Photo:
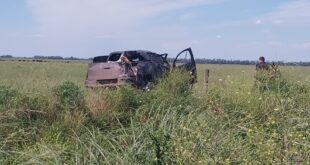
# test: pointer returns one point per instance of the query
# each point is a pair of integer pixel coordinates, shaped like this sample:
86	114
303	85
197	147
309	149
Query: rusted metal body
107	74
142	68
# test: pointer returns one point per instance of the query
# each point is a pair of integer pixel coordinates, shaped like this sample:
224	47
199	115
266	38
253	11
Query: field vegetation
47	116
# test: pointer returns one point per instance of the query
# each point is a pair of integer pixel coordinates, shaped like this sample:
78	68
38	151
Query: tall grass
231	123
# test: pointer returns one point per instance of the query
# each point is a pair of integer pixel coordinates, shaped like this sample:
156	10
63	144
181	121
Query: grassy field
47	116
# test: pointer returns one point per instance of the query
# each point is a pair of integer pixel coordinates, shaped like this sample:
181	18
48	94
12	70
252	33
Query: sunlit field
47	116
28	75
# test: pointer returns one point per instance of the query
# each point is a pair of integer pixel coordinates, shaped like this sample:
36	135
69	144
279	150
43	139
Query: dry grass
98	104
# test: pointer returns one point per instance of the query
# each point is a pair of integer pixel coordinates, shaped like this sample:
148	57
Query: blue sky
229	29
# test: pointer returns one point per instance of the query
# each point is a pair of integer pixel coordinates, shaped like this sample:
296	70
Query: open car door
185	60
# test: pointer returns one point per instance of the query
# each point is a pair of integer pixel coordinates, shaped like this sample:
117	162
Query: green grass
41	76
47	116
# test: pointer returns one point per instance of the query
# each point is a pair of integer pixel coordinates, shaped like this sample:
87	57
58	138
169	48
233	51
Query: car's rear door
185	60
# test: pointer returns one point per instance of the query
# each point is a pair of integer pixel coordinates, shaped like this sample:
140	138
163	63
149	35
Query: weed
8	96
69	96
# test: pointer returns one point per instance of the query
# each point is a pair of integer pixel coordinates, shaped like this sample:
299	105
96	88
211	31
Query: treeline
198	60
39	57
57	58
239	62
6	56
247	62
223	61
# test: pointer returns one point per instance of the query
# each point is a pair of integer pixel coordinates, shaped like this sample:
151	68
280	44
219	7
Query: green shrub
265	79
69	96
273	81
35	101
124	101
126	98
8	96
173	90
176	83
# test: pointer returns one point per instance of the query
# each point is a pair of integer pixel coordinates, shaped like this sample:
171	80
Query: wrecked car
138	67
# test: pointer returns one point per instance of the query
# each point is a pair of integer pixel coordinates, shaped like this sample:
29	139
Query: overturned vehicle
140	68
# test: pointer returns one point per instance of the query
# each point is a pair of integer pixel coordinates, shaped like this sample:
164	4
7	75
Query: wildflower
260	98
276	109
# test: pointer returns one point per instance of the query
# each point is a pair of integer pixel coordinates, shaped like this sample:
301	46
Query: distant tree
72	58
39	57
55	57
238	62
6	56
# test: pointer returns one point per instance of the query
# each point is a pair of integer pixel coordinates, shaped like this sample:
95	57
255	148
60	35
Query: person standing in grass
262	78
261	64
266	76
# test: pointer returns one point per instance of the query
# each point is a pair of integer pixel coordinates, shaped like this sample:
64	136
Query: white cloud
218	36
277	21
305	45
258	22
187	16
294	13
104	36
260	44
274	43
267	31
81	26
33	36
81	17
178	45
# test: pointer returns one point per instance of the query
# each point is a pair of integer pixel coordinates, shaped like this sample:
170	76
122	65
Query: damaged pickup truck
138	67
